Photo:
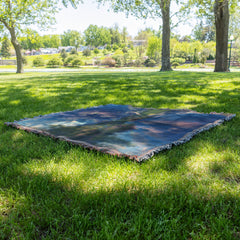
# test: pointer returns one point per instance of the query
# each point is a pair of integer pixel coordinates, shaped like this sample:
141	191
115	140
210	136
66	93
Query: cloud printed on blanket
124	130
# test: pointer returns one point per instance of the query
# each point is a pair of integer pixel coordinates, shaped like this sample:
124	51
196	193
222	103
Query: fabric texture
123	130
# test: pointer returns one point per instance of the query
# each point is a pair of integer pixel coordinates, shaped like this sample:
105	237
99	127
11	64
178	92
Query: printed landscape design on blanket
123	130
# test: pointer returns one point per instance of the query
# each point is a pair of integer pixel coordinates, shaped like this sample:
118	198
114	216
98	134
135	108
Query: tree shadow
51	209
162	198
70	91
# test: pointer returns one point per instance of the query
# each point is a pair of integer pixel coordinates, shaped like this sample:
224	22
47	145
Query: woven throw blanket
123	130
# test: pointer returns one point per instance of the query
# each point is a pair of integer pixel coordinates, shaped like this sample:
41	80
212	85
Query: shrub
109	48
109	61
76	62
195	59
131	46
126	59
68	60
115	46
122	45
138	62
130	63
73	61
74	51
96	50
175	64
63	54
97	62
54	62
105	52
178	60
118	52
180	54
203	59
153	49
211	57
236	55
86	52
38	62
24	60
150	62
125	50
119	60
195	56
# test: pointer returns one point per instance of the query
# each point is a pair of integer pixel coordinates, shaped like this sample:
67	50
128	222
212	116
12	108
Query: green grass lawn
53	190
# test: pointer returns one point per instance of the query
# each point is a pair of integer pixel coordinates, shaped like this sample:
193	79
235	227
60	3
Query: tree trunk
165	8
17	48
221	12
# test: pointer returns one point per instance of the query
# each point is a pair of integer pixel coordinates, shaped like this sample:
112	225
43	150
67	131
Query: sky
88	13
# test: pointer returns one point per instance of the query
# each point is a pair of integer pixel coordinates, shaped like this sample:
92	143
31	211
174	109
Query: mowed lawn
53	190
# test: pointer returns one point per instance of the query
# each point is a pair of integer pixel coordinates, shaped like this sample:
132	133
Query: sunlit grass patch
53	190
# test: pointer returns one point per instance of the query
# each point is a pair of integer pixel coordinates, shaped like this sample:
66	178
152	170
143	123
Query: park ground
53	190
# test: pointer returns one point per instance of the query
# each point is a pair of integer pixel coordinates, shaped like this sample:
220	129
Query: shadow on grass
66	91
43	206
32	95
106	197
38	95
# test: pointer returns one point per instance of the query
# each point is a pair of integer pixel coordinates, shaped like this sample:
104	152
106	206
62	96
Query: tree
186	38
5	50
15	15
51	41
97	36
144	9
124	35
205	32
144	35
154	48
115	35
221	10
72	38
63	54
165	9
31	41
234	25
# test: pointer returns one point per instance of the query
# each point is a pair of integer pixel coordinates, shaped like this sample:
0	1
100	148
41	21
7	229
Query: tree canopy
71	38
145	9
5	49
22	13
17	15
234	25
97	36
